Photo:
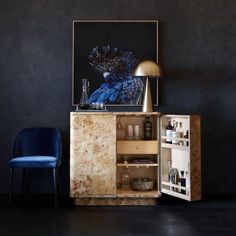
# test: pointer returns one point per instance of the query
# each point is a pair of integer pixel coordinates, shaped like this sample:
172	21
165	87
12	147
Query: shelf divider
137	165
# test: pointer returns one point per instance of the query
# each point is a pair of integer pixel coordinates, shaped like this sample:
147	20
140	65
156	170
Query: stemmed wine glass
119	125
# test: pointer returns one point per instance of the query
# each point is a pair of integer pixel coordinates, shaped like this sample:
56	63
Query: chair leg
23	181
55	185
59	187
10	185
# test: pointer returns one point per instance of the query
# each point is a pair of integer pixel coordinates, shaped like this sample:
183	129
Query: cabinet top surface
115	113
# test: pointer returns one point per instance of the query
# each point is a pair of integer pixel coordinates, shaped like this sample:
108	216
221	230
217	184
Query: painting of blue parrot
115	66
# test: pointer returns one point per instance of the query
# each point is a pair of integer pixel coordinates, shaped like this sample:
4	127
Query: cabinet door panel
182	158
93	154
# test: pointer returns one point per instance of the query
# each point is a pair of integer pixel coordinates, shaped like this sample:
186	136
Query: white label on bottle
174	136
168	135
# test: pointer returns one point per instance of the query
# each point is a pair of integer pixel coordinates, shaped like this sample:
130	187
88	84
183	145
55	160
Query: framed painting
106	53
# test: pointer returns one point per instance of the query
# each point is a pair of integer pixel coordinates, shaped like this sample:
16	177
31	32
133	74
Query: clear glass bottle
169	132
125	179
174	133
84	104
180	130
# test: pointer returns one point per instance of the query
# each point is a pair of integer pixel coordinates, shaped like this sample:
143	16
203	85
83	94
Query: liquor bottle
182	182
174	133
186	143
180	133
148	129
180	130
169	132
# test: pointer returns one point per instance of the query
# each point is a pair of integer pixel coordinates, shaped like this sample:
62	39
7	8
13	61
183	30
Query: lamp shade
147	69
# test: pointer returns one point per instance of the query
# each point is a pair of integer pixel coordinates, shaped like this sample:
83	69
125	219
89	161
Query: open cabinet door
181	157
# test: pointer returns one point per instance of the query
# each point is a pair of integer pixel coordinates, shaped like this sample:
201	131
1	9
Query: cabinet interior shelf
175	146
174	185
175	194
137	165
129	193
179	139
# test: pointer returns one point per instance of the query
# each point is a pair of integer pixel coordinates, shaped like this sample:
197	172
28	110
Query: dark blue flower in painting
119	86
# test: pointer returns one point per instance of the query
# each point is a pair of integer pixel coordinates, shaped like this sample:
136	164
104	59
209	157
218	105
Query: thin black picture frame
138	36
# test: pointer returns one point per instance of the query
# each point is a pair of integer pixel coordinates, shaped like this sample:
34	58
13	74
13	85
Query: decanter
125	179
84	104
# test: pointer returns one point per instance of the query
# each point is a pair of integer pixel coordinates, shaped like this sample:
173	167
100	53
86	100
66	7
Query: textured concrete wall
196	50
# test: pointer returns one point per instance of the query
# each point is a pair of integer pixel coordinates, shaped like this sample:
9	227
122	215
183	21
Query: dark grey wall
197	53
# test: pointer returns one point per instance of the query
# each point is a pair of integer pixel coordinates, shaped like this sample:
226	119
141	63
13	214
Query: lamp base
147	100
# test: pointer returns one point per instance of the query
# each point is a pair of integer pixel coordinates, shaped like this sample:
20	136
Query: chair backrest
38	141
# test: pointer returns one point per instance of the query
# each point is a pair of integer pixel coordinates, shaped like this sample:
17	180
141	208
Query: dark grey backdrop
196	50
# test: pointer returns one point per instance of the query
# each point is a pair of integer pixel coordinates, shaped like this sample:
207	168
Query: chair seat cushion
34	162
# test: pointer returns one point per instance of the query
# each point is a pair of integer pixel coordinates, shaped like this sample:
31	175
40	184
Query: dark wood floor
36	216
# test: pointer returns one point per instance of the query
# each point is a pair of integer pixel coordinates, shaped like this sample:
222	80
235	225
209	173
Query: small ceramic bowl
142	184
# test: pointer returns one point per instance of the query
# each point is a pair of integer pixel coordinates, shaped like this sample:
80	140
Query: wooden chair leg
10	186
55	185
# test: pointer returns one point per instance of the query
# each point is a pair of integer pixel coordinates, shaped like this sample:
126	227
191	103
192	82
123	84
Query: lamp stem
147	100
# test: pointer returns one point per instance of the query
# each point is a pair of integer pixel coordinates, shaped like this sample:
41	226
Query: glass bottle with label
148	129
174	133
186	143
180	130
169	132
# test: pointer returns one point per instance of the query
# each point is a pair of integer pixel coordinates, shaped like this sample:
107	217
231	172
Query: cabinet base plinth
114	201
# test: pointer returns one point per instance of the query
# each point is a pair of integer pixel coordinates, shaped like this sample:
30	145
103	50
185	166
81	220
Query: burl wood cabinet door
92	154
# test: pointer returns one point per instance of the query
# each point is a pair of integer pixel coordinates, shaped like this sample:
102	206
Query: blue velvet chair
36	148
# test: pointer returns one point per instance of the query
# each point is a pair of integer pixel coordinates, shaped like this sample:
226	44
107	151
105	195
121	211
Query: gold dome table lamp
148	69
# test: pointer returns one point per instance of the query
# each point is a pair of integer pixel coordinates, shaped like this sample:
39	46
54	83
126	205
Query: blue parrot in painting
119	86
